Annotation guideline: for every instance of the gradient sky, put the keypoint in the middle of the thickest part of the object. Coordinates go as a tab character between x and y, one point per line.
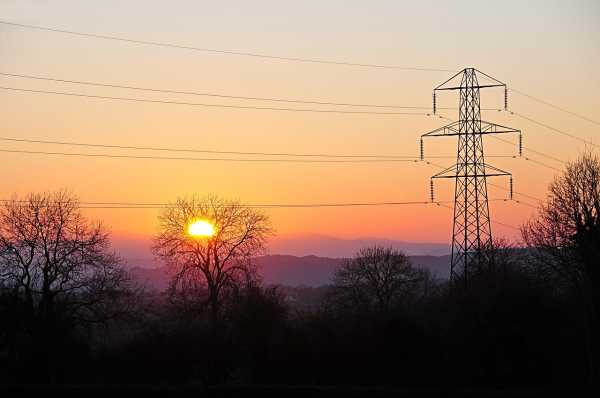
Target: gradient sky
549	49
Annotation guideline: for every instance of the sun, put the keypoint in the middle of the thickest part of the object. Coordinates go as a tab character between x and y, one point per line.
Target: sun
200	228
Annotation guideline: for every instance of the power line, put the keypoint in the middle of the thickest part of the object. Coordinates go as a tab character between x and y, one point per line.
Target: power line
145	205
543	125
104	155
167	149
228	52
526	204
515	192
274	57
528	158
204	94
209	105
542	164
531	150
130	205
115	156
493	221
553	129
555	106
506	225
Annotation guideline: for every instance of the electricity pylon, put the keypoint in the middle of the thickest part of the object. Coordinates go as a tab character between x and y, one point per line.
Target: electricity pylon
472	232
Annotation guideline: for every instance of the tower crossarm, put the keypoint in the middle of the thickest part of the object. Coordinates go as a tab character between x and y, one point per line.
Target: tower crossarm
454	171
494	128
447	130
454	83
494	171
486	128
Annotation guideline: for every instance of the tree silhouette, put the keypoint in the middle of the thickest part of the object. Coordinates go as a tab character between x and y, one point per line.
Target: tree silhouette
565	238
374	280
51	257
57	275
204	269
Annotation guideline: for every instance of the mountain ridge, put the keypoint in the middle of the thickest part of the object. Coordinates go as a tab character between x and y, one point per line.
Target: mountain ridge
136	250
288	270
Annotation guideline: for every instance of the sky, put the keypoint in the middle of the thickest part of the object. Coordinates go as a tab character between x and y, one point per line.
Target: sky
547	49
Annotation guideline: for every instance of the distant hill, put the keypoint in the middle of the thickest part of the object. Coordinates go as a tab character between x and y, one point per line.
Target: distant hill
438	265
327	246
136	250
292	270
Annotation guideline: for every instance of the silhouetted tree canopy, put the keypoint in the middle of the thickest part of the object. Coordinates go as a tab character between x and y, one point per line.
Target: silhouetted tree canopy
375	279
565	240
205	269
52	258
59	281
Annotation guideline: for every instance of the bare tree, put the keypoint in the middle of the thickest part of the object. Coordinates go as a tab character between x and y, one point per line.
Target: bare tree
565	238
52	258
204	269
375	279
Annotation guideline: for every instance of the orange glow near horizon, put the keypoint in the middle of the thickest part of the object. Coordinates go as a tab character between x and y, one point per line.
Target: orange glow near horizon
392	33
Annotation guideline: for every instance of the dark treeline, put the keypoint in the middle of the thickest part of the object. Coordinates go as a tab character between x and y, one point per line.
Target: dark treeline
527	318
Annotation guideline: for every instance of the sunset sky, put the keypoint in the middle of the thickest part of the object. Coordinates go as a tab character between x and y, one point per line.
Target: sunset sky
547	49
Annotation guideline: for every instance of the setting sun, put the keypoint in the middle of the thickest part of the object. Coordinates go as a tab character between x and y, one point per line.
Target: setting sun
201	228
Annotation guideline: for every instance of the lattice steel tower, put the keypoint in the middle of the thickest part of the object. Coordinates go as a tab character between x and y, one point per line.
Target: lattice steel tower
472	232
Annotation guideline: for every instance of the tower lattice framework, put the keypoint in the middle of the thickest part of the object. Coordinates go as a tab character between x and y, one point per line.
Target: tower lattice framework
472	231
